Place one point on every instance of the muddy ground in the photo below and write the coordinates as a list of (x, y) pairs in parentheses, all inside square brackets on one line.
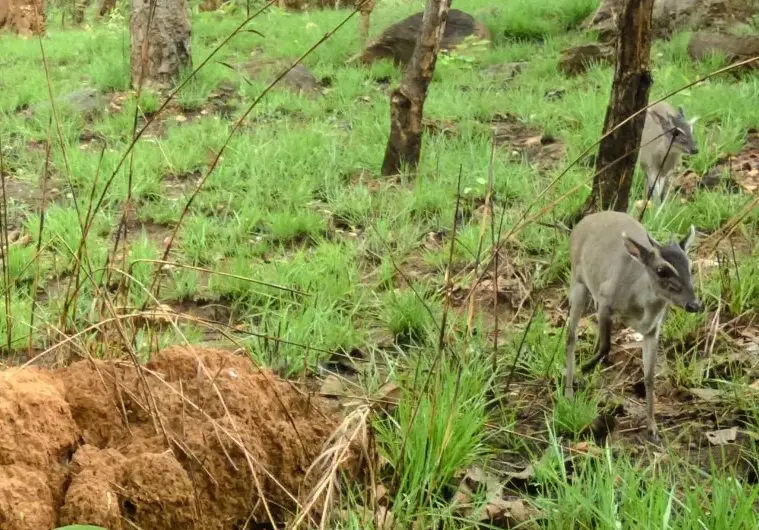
[(201, 439)]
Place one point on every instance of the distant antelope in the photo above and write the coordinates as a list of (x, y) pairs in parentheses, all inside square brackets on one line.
[(667, 135), (628, 274)]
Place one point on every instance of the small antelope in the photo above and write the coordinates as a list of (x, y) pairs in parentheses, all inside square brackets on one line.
[(664, 126), (628, 274)]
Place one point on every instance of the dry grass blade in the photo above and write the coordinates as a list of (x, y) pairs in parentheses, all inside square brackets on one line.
[(337, 451), (5, 251), (217, 273), (486, 215)]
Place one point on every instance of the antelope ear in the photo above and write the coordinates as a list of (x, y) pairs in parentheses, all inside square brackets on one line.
[(680, 110), (636, 250), (654, 243), (661, 119), (687, 241)]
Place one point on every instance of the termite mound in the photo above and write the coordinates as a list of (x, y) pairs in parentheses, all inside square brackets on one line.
[(200, 439)]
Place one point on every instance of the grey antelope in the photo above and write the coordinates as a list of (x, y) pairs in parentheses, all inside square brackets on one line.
[(630, 275), (667, 135)]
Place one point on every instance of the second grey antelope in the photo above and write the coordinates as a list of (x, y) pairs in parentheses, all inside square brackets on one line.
[(667, 135), (629, 275)]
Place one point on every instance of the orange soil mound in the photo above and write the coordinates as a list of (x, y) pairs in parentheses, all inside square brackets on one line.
[(80, 444)]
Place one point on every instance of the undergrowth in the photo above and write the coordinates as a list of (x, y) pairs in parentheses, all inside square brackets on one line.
[(310, 252)]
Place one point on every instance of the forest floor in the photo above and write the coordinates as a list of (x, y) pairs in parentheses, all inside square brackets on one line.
[(298, 254)]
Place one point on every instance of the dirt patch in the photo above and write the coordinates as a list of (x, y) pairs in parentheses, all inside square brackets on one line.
[(28, 195), (175, 187), (527, 141), (88, 443), (735, 172)]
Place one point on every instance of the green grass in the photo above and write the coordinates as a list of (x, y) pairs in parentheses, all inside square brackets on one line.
[(297, 201)]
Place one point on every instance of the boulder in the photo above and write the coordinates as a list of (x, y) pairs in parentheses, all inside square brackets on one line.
[(300, 79), (670, 16), (577, 60), (398, 41), (303, 5), (88, 103), (734, 48)]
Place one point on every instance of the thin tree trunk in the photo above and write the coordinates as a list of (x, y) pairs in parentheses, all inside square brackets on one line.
[(407, 101), (363, 26), (618, 153), (105, 7), (161, 42)]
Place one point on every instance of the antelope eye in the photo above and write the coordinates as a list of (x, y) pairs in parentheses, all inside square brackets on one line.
[(663, 272)]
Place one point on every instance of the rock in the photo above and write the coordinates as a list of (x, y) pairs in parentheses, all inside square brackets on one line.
[(21, 16), (86, 101), (505, 71), (300, 79), (397, 42), (670, 16), (577, 60), (735, 48), (303, 5), (170, 45)]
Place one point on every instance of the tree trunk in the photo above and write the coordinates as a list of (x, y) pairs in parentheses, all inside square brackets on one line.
[(363, 26), (25, 17), (162, 50), (80, 8), (105, 7), (407, 101), (618, 152), (210, 5)]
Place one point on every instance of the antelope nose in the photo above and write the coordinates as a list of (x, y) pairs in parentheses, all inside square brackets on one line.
[(694, 150), (694, 306)]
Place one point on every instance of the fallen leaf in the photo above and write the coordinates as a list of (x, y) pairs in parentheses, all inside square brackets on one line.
[(533, 141), (587, 448), (526, 474), (379, 492), (477, 478), (723, 436), (710, 395), (383, 519), (389, 395), (503, 512)]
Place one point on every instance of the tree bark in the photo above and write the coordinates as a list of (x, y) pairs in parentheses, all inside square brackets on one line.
[(80, 8), (105, 7), (618, 152), (24, 17), (407, 101), (161, 44), (363, 26)]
